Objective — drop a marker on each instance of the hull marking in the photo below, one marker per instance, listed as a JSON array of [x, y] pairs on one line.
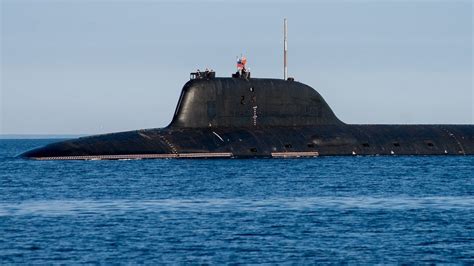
[[141, 156], [295, 154]]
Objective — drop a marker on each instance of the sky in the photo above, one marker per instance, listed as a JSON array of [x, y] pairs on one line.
[[88, 67]]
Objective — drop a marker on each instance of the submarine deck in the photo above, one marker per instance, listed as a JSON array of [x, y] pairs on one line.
[[279, 142]]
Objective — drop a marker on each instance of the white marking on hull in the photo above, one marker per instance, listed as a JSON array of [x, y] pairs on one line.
[[295, 154], [173, 155], [141, 156], [217, 135]]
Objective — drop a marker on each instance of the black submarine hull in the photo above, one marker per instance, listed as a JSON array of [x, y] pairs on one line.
[[266, 142], [270, 118]]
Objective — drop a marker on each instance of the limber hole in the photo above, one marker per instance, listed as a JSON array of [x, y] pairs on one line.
[[365, 145], [253, 149], [288, 145], [311, 145], [396, 144]]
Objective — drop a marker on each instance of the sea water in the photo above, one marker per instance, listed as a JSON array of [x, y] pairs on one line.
[[373, 209]]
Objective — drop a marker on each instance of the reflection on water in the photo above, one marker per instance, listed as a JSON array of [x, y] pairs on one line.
[[73, 207]]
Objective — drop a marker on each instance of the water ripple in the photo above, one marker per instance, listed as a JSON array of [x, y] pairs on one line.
[[328, 210], [75, 207]]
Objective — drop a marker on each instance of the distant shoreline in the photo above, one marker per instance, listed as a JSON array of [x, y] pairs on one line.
[[41, 136]]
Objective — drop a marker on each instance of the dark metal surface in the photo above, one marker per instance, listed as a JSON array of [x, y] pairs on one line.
[[237, 117], [230, 102]]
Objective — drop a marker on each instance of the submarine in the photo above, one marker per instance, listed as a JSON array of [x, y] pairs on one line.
[[245, 117]]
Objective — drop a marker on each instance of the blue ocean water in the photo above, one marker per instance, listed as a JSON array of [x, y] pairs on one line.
[[323, 210]]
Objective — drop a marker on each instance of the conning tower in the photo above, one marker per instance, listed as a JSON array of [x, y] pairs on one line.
[[252, 102]]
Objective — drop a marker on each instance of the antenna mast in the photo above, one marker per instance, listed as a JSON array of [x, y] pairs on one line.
[[285, 50]]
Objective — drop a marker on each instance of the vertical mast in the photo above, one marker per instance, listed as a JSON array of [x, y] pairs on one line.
[[285, 51]]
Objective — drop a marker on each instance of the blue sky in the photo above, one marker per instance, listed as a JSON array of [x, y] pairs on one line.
[[86, 67]]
